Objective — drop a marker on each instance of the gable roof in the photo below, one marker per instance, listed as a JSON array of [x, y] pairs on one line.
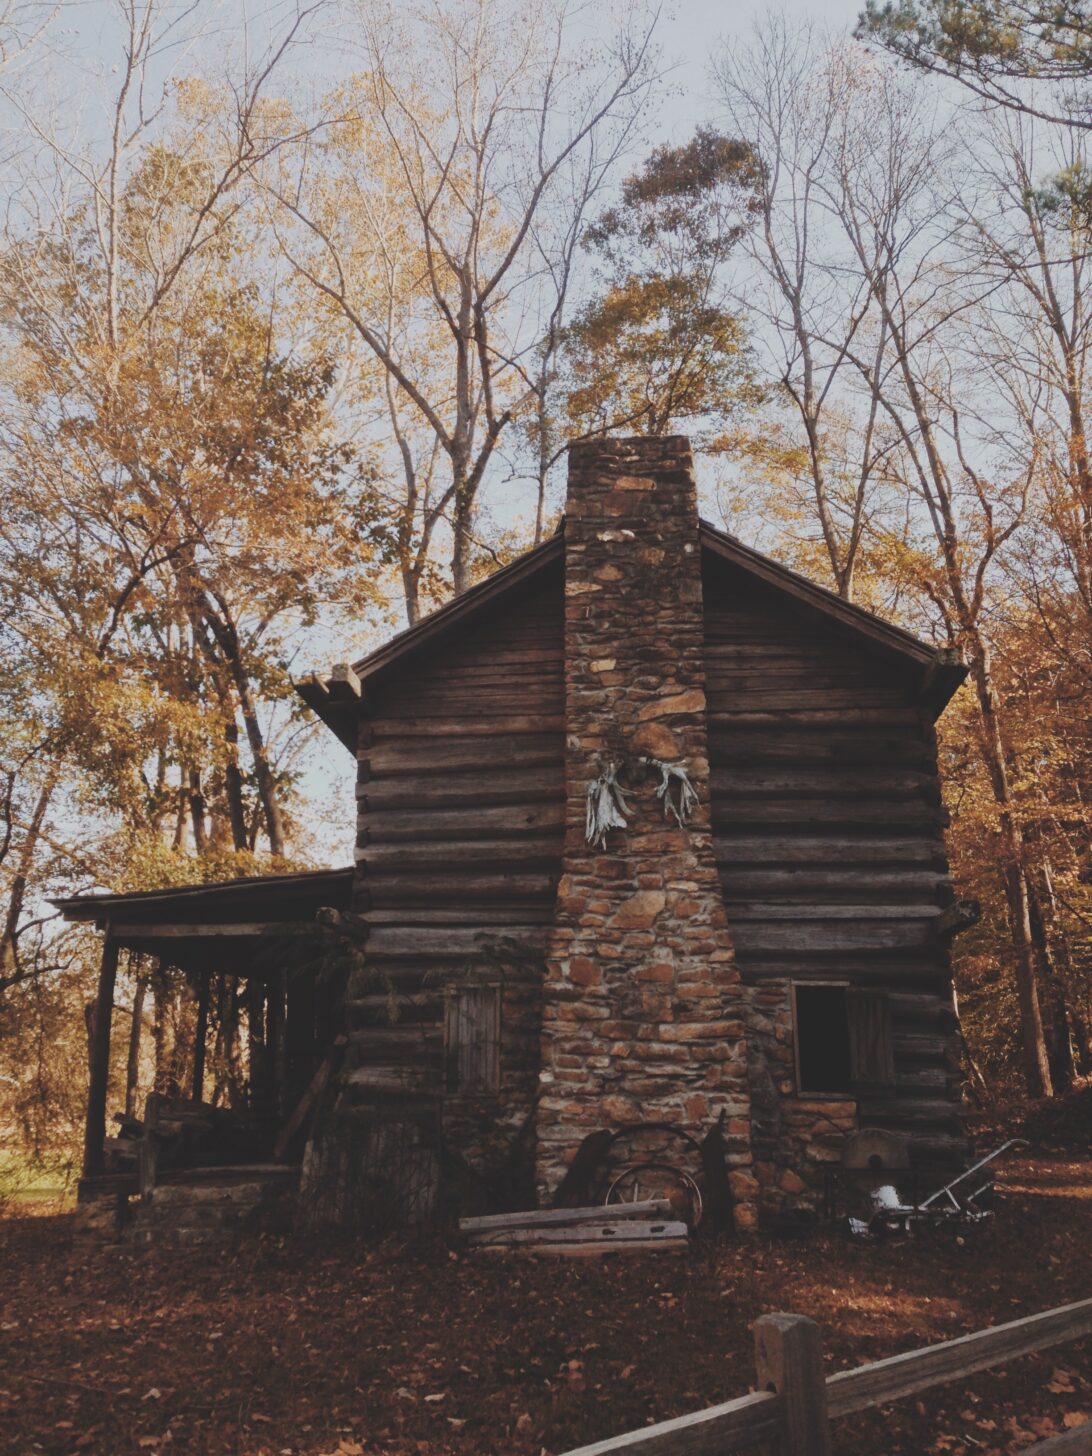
[[336, 699], [943, 668]]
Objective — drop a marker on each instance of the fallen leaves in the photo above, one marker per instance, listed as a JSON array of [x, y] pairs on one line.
[[396, 1350]]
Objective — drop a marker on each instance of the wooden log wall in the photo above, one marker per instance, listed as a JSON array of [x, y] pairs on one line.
[[460, 829], [829, 838]]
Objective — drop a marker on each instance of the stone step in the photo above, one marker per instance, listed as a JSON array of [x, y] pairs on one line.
[[185, 1213]]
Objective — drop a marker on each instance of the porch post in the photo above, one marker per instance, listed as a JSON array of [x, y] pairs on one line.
[[99, 1061], [201, 1036]]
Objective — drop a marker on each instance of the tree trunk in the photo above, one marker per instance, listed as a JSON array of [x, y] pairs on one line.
[[411, 593], [21, 878], [1036, 1062], [1057, 971], [233, 785], [460, 551], [267, 786], [197, 811]]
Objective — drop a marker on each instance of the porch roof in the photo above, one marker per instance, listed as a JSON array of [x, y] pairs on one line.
[[246, 909]]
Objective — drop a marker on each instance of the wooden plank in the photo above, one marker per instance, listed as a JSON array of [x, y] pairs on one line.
[[431, 940], [751, 849], [591, 1250], [1077, 1442], [757, 910], [446, 727], [828, 937], [796, 747], [871, 1051], [461, 887], [822, 780], [803, 717], [444, 755], [618, 1230], [418, 825], [508, 914], [474, 853], [884, 1381], [712, 1432], [313, 1092], [160, 931], [865, 813], [558, 1217], [892, 641], [471, 1035], [809, 699], [395, 1079], [480, 786], [805, 881]]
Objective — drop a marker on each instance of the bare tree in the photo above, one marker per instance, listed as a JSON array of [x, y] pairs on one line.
[[799, 99], [970, 513], [434, 199]]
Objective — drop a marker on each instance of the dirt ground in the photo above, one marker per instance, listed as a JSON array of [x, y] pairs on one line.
[[412, 1347]]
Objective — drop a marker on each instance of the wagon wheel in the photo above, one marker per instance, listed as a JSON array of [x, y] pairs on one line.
[[640, 1181]]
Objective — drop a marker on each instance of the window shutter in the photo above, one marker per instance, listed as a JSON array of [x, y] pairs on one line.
[[871, 1052], [472, 1027]]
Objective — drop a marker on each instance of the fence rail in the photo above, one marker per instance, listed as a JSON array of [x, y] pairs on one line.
[[796, 1402]]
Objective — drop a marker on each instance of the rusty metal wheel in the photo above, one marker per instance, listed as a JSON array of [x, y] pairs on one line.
[[641, 1181]]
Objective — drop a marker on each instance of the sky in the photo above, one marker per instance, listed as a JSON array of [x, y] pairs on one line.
[[694, 27]]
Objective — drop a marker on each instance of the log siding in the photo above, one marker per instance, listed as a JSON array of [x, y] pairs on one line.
[[460, 802], [829, 838]]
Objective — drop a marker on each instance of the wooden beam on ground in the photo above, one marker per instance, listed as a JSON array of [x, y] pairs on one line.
[[94, 1136], [589, 1249], [608, 1231], [560, 1217]]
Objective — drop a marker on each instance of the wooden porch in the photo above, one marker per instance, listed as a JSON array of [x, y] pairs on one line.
[[248, 945]]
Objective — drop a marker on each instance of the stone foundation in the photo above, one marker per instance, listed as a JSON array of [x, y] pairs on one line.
[[795, 1140], [644, 1016]]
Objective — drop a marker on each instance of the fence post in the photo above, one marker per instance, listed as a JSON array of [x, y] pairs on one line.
[[789, 1360]]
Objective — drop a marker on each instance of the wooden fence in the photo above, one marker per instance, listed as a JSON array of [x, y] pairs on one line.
[[795, 1403]]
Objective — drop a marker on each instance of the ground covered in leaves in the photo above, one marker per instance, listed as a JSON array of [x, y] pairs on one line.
[[412, 1347]]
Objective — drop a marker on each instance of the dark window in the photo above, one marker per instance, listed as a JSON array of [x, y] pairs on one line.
[[472, 1036], [843, 1039], [822, 1039]]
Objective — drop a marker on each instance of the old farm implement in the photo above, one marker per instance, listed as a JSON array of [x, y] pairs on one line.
[[958, 1203]]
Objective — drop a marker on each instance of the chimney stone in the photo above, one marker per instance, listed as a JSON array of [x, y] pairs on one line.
[[644, 1016]]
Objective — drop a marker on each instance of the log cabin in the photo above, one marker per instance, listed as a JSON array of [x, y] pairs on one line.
[[649, 844]]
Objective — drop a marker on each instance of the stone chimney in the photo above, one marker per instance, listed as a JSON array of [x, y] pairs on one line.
[[643, 1018]]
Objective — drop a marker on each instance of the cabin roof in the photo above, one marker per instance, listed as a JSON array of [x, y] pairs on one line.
[[335, 699]]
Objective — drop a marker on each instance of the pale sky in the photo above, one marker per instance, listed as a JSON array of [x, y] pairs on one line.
[[698, 25]]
